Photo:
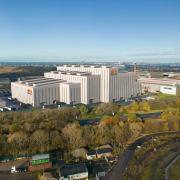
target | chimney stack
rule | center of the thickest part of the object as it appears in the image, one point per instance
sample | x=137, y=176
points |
x=135, y=68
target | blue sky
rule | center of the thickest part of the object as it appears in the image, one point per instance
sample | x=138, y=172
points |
x=132, y=30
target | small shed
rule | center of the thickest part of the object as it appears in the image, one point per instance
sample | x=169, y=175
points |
x=91, y=155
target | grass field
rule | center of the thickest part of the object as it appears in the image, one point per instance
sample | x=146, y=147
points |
x=9, y=69
x=164, y=96
x=4, y=83
x=174, y=173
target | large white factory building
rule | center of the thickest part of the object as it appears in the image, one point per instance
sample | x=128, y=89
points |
x=73, y=84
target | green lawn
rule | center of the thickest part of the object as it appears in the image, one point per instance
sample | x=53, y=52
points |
x=164, y=96
x=4, y=83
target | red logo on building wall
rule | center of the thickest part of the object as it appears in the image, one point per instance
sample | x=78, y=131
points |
x=114, y=71
x=29, y=91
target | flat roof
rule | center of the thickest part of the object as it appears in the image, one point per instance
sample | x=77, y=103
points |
x=104, y=150
x=33, y=79
x=70, y=83
x=40, y=156
x=40, y=82
x=100, y=166
x=163, y=81
x=91, y=153
x=70, y=169
x=87, y=66
x=73, y=73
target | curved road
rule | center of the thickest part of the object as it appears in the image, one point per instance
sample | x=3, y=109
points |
x=117, y=172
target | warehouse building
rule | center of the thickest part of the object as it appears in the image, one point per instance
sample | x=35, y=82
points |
x=36, y=92
x=89, y=83
x=113, y=85
x=163, y=85
x=77, y=84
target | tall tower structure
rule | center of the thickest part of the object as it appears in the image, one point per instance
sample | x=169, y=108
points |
x=135, y=68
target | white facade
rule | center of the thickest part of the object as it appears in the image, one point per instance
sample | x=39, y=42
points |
x=70, y=93
x=36, y=91
x=77, y=84
x=113, y=85
x=90, y=84
x=78, y=176
x=163, y=85
x=168, y=90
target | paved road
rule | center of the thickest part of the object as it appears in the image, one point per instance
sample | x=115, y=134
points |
x=118, y=170
x=169, y=166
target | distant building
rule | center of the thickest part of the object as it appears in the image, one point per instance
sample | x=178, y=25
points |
x=104, y=152
x=91, y=155
x=36, y=92
x=99, y=168
x=101, y=152
x=111, y=159
x=171, y=75
x=77, y=84
x=110, y=85
x=40, y=158
x=73, y=172
x=163, y=85
x=40, y=162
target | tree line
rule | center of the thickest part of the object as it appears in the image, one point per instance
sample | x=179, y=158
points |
x=44, y=130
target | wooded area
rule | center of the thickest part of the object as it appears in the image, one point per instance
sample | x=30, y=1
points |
x=44, y=130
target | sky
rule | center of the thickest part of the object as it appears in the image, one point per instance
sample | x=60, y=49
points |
x=102, y=30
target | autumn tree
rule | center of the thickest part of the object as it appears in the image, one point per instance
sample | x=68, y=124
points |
x=39, y=141
x=134, y=107
x=109, y=120
x=145, y=106
x=19, y=142
x=107, y=109
x=72, y=134
x=84, y=110
x=136, y=128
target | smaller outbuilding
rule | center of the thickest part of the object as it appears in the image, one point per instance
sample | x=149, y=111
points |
x=111, y=159
x=104, y=152
x=91, y=155
x=40, y=158
x=39, y=162
x=73, y=172
x=99, y=169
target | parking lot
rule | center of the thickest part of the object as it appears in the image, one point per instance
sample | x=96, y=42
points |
x=9, y=104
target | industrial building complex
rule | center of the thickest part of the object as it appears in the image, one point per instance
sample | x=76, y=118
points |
x=75, y=84
x=163, y=85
